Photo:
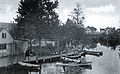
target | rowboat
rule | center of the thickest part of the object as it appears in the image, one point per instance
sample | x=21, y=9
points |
x=94, y=53
x=74, y=56
x=70, y=60
x=86, y=64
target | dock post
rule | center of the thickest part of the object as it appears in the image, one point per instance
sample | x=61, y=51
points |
x=40, y=69
x=50, y=59
x=43, y=60
x=36, y=59
x=60, y=55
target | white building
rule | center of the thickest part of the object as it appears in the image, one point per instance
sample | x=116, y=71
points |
x=10, y=46
x=44, y=42
x=91, y=30
x=107, y=30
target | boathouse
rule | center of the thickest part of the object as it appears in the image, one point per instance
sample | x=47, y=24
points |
x=8, y=45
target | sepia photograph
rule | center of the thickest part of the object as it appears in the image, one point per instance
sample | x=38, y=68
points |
x=59, y=36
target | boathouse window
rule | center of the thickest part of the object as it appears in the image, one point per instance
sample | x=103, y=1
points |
x=3, y=46
x=3, y=35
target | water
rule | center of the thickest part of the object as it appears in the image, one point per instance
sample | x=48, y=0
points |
x=109, y=63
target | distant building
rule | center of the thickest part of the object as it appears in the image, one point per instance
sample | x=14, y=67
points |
x=102, y=31
x=110, y=30
x=44, y=42
x=90, y=30
x=118, y=31
x=107, y=30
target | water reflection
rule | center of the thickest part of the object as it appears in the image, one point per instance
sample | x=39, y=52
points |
x=91, y=46
x=109, y=63
x=110, y=43
x=53, y=69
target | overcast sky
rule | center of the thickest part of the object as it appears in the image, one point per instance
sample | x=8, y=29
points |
x=98, y=13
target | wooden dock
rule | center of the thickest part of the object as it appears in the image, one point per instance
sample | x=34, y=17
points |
x=56, y=58
x=44, y=59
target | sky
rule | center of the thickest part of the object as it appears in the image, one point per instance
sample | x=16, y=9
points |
x=98, y=13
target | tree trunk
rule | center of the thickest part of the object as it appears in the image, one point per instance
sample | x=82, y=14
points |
x=58, y=48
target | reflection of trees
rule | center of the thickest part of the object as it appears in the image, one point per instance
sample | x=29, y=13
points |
x=110, y=43
x=74, y=70
x=90, y=43
x=110, y=40
x=91, y=46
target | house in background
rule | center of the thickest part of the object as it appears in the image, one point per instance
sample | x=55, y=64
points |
x=107, y=30
x=91, y=30
x=102, y=31
x=118, y=31
x=110, y=30
x=9, y=46
x=44, y=42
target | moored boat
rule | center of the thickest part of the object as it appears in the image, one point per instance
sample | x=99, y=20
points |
x=95, y=53
x=86, y=64
x=70, y=60
x=74, y=56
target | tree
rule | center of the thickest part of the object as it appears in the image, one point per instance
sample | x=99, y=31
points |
x=77, y=16
x=26, y=7
x=70, y=30
x=78, y=19
x=73, y=30
x=36, y=19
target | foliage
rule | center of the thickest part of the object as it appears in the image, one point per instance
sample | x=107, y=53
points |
x=74, y=28
x=36, y=19
x=77, y=16
x=71, y=33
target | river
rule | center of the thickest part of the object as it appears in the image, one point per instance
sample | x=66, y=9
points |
x=108, y=63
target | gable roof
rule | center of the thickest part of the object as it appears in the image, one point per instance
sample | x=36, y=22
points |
x=91, y=28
